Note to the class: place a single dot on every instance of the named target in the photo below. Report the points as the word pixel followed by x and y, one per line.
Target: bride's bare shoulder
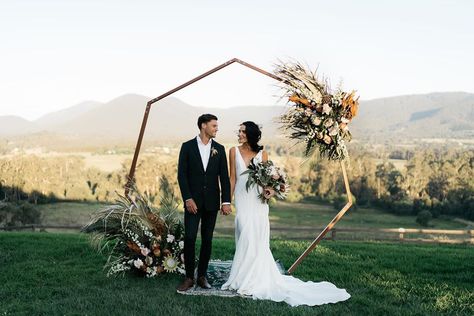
pixel 264 155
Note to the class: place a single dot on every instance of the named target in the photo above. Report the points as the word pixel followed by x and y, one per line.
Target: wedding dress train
pixel 254 271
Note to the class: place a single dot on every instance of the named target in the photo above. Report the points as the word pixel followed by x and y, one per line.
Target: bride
pixel 254 271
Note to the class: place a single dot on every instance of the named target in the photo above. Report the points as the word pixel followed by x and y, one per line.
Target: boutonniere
pixel 213 152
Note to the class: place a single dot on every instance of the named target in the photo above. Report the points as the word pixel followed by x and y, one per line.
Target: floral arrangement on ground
pixel 139 237
pixel 319 116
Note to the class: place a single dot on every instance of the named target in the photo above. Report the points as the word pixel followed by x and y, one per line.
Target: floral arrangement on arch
pixel 270 178
pixel 139 237
pixel 319 116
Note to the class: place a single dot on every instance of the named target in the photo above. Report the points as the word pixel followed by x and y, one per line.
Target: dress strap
pixel 259 156
pixel 237 155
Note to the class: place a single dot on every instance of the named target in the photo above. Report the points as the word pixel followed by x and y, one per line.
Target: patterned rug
pixel 217 274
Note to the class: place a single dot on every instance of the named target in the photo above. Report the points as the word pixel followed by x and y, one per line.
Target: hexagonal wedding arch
pixel 190 82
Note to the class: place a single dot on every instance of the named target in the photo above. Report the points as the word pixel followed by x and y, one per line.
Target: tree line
pixel 438 181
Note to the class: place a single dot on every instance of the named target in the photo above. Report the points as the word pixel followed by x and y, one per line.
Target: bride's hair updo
pixel 253 133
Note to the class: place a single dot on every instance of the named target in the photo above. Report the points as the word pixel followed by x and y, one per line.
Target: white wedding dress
pixel 254 271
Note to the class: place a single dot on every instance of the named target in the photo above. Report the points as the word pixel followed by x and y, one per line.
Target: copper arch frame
pixel 131 174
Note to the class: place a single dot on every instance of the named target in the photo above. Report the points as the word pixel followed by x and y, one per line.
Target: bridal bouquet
pixel 319 116
pixel 138 237
pixel 269 177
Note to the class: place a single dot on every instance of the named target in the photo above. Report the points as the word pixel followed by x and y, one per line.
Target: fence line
pixel 439 234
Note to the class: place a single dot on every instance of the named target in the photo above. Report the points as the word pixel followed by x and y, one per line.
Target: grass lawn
pixel 312 216
pixel 68 213
pixel 319 215
pixel 282 214
pixel 59 274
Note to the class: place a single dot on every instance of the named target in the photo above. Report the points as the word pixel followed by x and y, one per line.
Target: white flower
pixel 148 260
pixel 328 122
pixel 181 244
pixel 316 120
pixel 145 251
pixel 138 263
pixel 326 109
pixel 150 272
pixel 170 238
pixel 272 171
pixel 170 264
pixel 334 130
pixel 344 120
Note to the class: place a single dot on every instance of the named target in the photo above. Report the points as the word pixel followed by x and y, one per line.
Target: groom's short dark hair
pixel 206 118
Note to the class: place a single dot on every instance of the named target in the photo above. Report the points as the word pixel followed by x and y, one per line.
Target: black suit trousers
pixel 191 224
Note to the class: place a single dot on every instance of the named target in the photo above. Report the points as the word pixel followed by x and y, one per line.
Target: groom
pixel 202 165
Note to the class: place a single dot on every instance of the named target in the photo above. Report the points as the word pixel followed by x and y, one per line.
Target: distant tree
pixel 424 217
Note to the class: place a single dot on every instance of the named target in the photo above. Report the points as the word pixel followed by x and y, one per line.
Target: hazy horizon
pixel 211 107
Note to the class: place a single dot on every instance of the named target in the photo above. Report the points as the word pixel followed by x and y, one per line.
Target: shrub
pixel 21 213
pixel 403 207
pixel 424 217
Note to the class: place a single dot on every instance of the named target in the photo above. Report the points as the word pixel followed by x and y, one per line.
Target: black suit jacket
pixel 199 185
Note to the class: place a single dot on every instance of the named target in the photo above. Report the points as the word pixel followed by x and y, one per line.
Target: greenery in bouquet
pixel 270 180
pixel 319 116
pixel 139 237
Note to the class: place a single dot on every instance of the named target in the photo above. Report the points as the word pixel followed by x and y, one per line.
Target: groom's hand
pixel 226 210
pixel 191 206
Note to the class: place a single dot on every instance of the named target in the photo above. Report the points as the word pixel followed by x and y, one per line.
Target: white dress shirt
pixel 205 151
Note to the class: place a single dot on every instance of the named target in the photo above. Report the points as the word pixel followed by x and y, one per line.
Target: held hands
pixel 191 206
pixel 226 209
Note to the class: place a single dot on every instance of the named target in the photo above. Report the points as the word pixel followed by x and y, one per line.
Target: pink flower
pixel 145 251
pixel 327 139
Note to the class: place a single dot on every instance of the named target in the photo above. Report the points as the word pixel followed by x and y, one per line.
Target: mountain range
pixel 434 115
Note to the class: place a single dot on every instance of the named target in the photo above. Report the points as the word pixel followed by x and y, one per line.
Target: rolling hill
pixel 434 115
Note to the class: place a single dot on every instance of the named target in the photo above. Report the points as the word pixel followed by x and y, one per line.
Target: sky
pixel 55 54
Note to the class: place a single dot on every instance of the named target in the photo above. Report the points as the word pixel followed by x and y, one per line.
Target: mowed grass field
pixel 60 274
pixel 283 215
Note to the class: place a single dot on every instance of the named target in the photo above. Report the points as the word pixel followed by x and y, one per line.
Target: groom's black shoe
pixel 202 282
pixel 186 285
